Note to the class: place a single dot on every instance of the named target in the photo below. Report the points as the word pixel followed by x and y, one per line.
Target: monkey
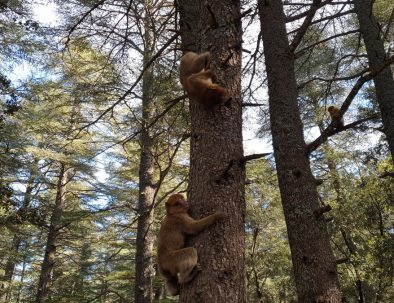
pixel 197 80
pixel 176 263
pixel 336 117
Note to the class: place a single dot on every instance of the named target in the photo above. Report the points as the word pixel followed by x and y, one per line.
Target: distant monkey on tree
pixel 176 263
pixel 197 80
pixel 336 116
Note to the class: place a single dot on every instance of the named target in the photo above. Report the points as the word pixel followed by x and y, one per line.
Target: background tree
pixel 313 262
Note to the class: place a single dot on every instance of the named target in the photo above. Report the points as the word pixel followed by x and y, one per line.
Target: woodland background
pixel 96 132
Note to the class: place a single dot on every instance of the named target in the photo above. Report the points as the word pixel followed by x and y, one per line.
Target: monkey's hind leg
pixel 217 94
pixel 172 285
pixel 187 265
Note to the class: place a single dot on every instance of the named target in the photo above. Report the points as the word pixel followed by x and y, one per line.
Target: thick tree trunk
pixel 145 236
pixel 53 232
pixel 216 176
pixel 313 261
pixel 384 82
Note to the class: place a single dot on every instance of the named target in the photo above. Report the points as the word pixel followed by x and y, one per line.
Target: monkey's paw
pixel 197 267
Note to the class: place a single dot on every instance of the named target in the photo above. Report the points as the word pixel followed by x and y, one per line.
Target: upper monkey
pixel 196 78
pixel 336 117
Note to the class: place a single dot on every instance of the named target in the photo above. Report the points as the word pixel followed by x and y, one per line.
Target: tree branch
pixel 307 22
pixel 330 131
pixel 123 97
pixel 245 159
pixel 74 27
pixel 303 50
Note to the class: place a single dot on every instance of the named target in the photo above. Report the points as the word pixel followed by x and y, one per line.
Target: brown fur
pixel 197 80
pixel 176 263
pixel 336 117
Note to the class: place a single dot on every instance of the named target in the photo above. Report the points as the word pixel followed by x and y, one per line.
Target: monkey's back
pixel 186 67
pixel 171 236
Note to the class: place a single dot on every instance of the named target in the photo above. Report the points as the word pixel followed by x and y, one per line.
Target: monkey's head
pixel 176 204
pixel 331 109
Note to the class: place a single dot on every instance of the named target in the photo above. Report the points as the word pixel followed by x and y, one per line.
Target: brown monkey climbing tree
pixel 216 180
pixel 313 261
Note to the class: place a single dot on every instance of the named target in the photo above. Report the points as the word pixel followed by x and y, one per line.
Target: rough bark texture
pixel 216 177
pixel 313 261
pixel 145 236
pixel 53 232
pixel 384 82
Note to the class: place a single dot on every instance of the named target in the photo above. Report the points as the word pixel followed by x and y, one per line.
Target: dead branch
pixel 245 159
pixel 341 260
pixel 245 104
pixel 321 210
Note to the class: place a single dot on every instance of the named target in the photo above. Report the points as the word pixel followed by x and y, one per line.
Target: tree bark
pixel 216 177
pixel 313 261
pixel 145 236
pixel 53 232
pixel 384 82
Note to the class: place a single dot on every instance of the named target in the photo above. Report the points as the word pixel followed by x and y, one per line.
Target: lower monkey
pixel 176 263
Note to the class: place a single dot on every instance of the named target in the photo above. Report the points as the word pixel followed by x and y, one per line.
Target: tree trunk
pixel 53 232
pixel 384 82
pixel 145 236
pixel 19 294
pixel 16 241
pixel 6 280
pixel 313 261
pixel 216 175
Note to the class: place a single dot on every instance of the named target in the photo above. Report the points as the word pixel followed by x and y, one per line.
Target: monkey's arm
pixel 192 227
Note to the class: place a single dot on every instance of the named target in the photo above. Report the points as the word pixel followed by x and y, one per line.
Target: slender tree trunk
pixel 6 280
pixel 313 261
pixel 53 232
pixel 16 241
pixel 19 296
pixel 216 176
pixel 145 236
pixel 384 82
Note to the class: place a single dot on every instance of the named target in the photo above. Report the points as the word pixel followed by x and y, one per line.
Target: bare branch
pixel 315 5
pixel 303 50
pixel 321 210
pixel 74 27
pixel 245 159
pixel 341 260
pixel 245 104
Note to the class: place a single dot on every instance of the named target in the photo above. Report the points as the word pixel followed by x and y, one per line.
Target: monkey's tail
pixel 172 283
